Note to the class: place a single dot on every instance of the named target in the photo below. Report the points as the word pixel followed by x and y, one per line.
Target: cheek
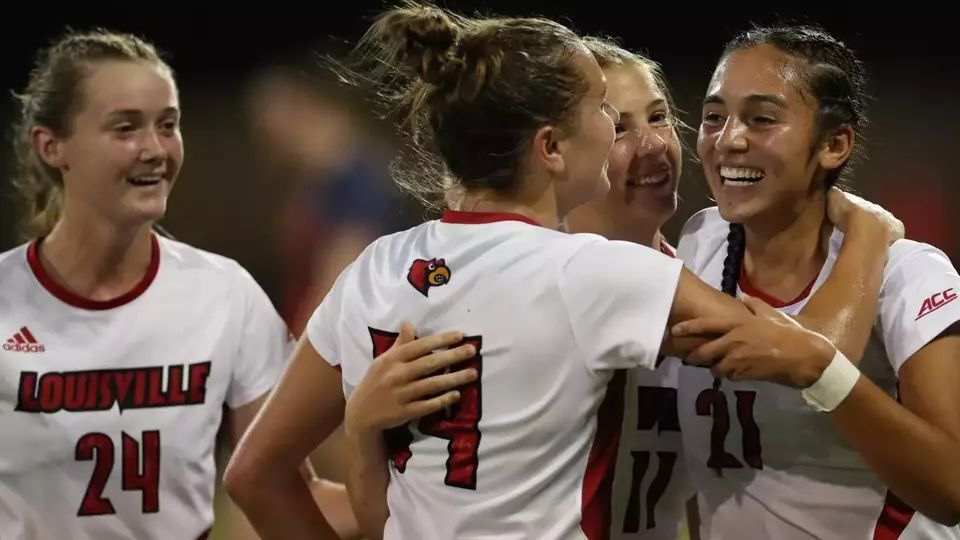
pixel 619 159
pixel 174 148
pixel 675 153
pixel 705 141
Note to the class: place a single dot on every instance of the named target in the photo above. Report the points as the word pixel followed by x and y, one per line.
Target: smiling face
pixel 124 149
pixel 758 142
pixel 644 163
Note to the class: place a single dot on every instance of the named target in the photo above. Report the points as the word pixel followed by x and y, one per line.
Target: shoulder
pixel 912 255
pixel 182 256
pixel 14 257
pixel 702 235
pixel 204 268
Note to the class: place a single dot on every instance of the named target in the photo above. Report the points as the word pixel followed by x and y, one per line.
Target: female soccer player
pixel 650 487
pixel 514 111
pixel 122 347
pixel 780 122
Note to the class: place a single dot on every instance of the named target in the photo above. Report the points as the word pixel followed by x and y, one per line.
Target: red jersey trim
pixel 597 489
pixel 475 218
pixel 894 518
pixel 667 249
pixel 748 288
pixel 75 300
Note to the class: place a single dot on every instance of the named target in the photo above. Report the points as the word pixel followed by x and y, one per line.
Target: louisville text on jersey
pixel 98 390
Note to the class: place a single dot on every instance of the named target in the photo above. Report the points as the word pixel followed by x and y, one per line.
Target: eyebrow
pixel 138 112
pixel 659 102
pixel 752 98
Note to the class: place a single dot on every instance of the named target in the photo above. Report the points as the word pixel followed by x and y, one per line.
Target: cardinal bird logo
pixel 425 274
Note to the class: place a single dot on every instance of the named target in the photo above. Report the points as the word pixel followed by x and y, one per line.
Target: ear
pixel 547 149
pixel 48 146
pixel 836 148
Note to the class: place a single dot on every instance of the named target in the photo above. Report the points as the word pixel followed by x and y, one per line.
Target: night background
pixel 293 213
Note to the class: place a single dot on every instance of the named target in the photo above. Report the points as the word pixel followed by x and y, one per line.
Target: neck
pixel 540 206
pixel 94 258
pixel 647 234
pixel 784 254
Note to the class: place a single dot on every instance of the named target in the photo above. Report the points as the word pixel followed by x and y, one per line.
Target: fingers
pixel 418 409
pixel 708 353
pixel 756 305
pixel 424 346
pixel 421 367
pixel 726 368
pixel 407 334
pixel 438 384
pixel 705 327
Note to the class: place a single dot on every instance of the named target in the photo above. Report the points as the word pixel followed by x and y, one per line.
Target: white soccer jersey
pixel 765 464
pixel 527 451
pixel 109 410
pixel 651 486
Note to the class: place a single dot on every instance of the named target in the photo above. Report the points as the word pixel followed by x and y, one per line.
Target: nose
pixel 650 143
pixel 732 137
pixel 151 147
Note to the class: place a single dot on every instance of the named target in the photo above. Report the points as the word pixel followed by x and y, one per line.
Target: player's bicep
pixel 929 380
pixel 301 412
pixel 694 299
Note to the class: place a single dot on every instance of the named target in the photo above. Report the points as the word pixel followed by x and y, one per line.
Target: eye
pixel 610 110
pixel 431 267
pixel 713 119
pixel 660 117
pixel 124 128
pixel 764 120
pixel 170 125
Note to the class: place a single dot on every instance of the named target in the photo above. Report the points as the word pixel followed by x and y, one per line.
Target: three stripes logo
pixel 23 341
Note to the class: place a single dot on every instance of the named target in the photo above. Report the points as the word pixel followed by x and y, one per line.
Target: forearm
pixel 367 480
pixel 281 506
pixel 844 308
pixel 916 460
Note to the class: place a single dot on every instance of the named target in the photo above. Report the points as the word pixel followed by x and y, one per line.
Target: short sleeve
pixel 322 327
pixel 618 297
pixel 265 345
pixel 918 300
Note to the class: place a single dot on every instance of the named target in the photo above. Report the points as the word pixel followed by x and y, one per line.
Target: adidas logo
pixel 23 341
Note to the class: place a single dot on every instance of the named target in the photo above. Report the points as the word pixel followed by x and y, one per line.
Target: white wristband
pixel 834 384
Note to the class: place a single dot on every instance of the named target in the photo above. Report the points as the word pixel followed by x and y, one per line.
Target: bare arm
pixel 264 476
pixel 844 308
pixel 393 392
pixel 913 447
pixel 922 466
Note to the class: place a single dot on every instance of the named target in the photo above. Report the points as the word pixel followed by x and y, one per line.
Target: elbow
pixel 946 511
pixel 241 480
pixel 950 515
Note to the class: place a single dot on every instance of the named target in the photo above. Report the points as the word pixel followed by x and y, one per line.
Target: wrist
pixel 834 384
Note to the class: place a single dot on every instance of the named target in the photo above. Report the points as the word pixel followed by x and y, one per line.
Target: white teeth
pixel 741 172
pixel 739 183
pixel 146 179
pixel 649 180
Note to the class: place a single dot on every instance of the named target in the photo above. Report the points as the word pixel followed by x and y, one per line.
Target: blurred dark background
pixel 288 179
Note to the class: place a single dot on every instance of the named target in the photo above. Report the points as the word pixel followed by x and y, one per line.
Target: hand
pixel 768 346
pixel 843 209
pixel 403 383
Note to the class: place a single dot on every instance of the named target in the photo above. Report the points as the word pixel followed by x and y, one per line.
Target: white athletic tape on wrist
pixel 834 384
